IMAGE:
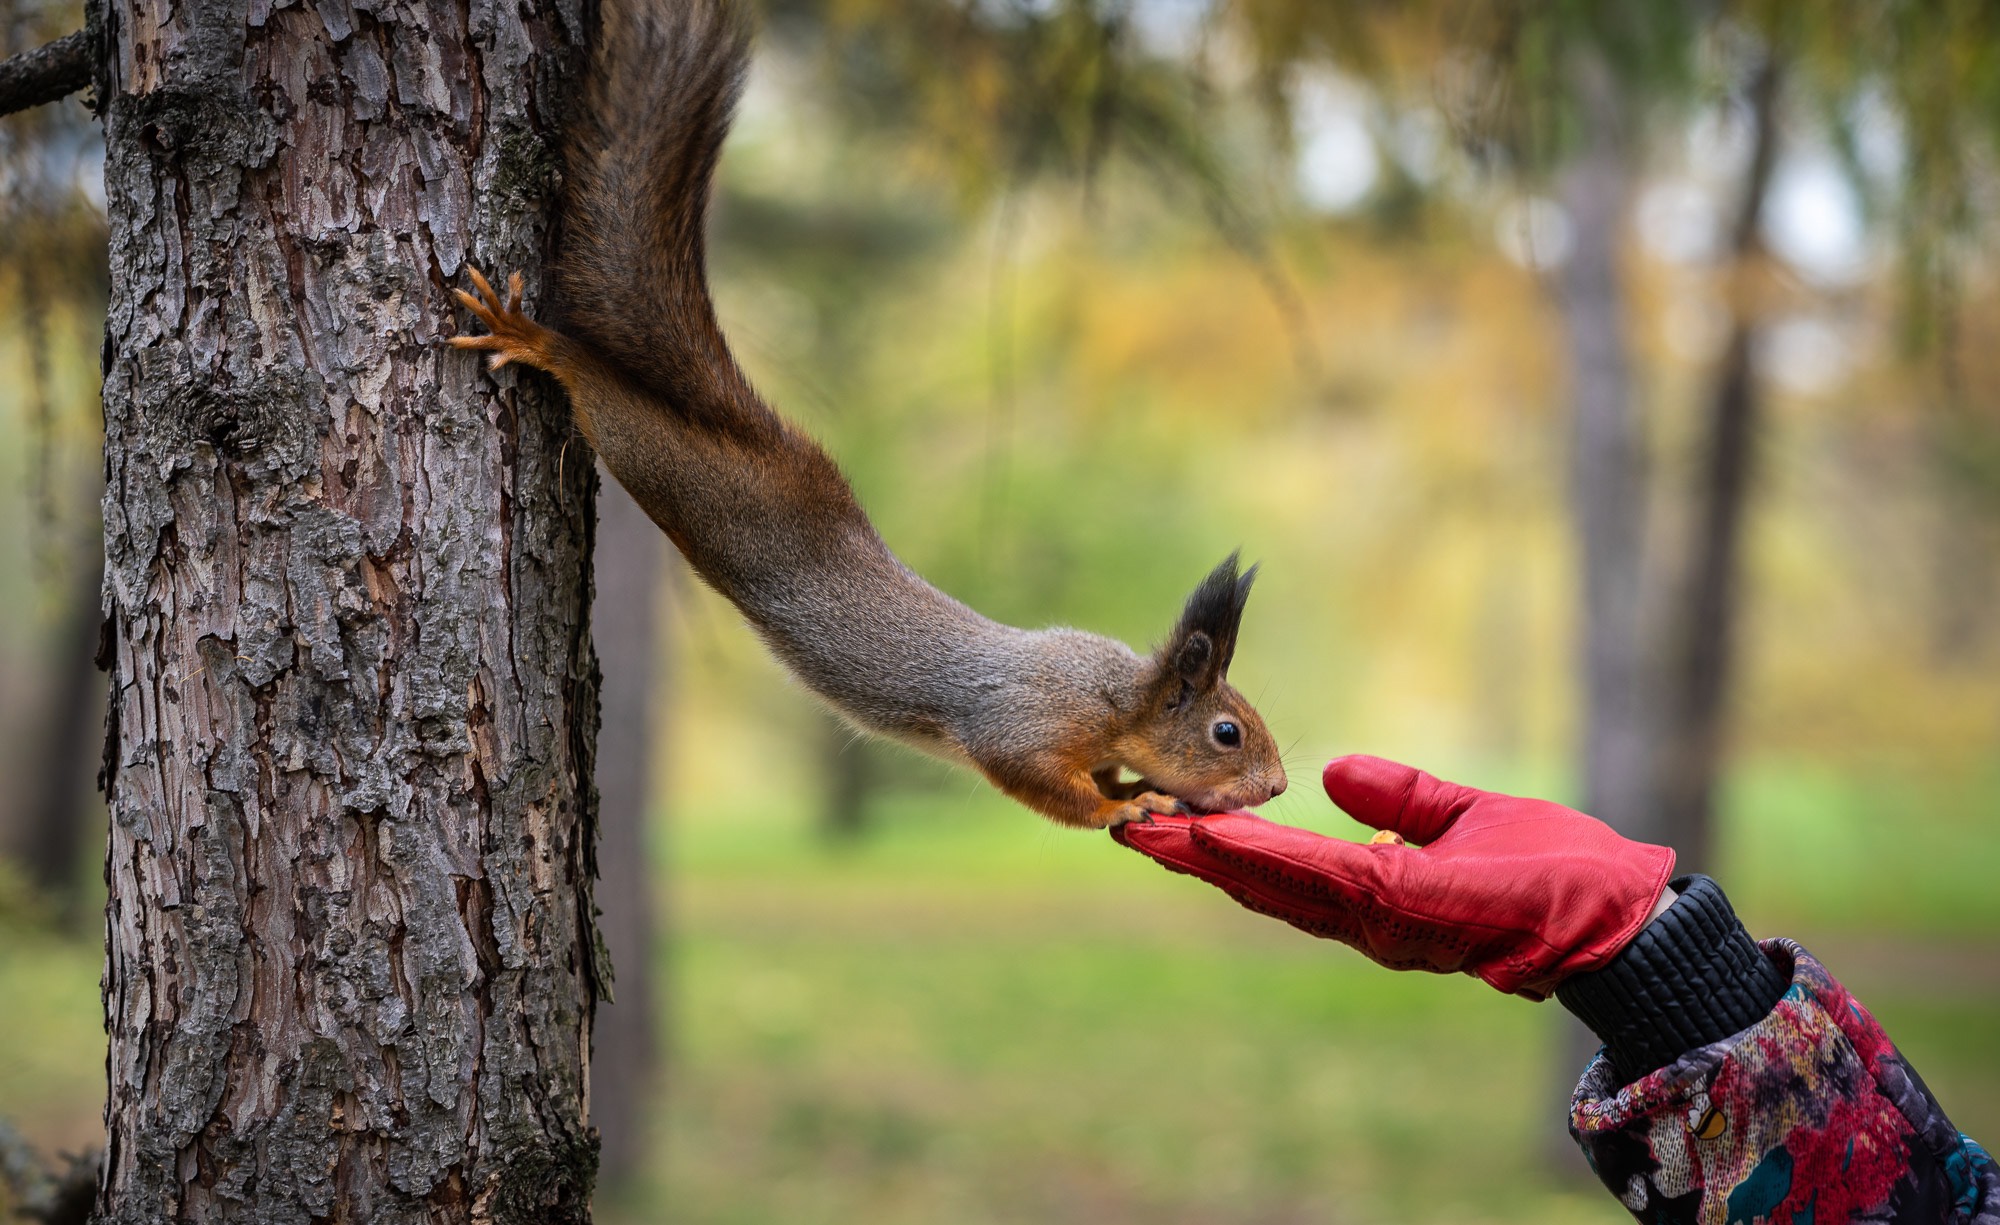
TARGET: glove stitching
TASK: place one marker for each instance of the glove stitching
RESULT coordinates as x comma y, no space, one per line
1328,930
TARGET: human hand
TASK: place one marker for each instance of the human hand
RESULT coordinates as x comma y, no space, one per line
1520,892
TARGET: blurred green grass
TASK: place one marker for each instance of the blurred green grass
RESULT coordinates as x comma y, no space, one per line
972,1017
991,1020
976,1018
1914,851
51,1037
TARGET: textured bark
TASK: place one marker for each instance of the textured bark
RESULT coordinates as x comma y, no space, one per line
625,622
350,959
1703,655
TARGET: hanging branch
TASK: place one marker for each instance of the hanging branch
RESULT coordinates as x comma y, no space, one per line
46,73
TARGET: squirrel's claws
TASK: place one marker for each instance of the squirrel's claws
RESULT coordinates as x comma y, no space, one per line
514,337
473,304
485,287
496,345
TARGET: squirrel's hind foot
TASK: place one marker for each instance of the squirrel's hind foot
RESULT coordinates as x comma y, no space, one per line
514,337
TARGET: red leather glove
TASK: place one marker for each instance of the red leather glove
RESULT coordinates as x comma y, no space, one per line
1522,893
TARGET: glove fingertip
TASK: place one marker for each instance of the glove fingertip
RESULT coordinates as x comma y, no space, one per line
1390,795
1370,789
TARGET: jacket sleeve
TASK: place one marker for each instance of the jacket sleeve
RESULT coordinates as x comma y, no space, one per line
1741,1083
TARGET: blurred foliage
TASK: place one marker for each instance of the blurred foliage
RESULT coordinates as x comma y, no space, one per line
52,274
999,91
51,209
1142,418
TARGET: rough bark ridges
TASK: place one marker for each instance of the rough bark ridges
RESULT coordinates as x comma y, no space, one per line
350,962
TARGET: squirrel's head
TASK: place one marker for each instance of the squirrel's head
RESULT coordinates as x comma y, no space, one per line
1194,736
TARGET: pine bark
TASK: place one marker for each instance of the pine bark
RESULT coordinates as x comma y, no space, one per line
350,957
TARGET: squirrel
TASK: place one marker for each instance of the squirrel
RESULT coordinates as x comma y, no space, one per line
1055,718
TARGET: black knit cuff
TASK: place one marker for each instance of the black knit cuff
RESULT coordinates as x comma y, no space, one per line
1690,977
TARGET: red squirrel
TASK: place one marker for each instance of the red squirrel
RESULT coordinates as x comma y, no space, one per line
1055,717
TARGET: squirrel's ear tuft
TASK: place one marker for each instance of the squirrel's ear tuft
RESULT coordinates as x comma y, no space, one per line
1204,641
1192,657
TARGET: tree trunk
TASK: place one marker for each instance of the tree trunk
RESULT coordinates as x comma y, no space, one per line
1608,496
847,764
350,962
1696,688
64,741
625,621
1608,475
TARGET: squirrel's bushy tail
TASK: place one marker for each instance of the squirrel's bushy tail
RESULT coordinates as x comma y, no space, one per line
663,87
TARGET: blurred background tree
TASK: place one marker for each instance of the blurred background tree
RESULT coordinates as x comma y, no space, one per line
51,213
1610,393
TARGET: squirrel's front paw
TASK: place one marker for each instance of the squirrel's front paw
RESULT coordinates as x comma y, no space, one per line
515,337
1141,808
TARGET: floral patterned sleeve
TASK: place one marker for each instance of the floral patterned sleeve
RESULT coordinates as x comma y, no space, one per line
1808,1116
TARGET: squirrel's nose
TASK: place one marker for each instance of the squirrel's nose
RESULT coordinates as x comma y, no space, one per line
1278,788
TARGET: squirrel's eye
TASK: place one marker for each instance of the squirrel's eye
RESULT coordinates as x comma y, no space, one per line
1227,734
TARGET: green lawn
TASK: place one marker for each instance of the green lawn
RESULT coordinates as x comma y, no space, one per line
860,1047
973,1017
51,1039
980,1019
